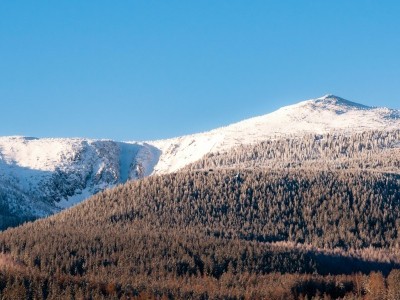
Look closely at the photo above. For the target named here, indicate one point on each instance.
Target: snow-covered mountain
(42, 176)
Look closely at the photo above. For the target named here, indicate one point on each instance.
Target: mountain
(302, 203)
(43, 176)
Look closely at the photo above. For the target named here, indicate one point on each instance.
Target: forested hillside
(216, 234)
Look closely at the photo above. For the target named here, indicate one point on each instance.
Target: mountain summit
(329, 101)
(42, 176)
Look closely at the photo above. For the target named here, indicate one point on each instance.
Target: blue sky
(137, 70)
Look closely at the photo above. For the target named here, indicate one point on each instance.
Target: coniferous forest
(310, 218)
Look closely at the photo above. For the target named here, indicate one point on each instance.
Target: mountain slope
(42, 176)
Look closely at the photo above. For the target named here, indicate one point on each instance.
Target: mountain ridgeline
(248, 211)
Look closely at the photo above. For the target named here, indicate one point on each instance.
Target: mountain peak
(330, 96)
(330, 101)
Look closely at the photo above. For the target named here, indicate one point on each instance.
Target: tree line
(371, 150)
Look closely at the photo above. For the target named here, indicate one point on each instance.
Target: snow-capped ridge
(42, 176)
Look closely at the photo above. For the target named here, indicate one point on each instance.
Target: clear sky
(140, 70)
